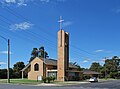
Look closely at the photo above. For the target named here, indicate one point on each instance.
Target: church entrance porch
(52, 73)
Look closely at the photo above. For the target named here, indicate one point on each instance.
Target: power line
(26, 19)
(3, 37)
(32, 34)
(20, 16)
(78, 53)
(21, 37)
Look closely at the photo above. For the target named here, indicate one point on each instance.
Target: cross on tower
(61, 21)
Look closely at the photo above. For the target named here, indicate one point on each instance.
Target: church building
(60, 68)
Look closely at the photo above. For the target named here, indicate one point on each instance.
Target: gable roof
(52, 62)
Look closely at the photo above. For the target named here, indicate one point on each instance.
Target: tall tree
(116, 61)
(112, 65)
(38, 53)
(34, 54)
(42, 52)
(95, 67)
(17, 69)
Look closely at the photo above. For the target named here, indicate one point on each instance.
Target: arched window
(36, 67)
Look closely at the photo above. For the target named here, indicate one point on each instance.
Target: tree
(112, 65)
(116, 61)
(95, 67)
(41, 53)
(3, 73)
(17, 69)
(34, 54)
(78, 66)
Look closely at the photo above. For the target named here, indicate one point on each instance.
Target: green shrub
(44, 79)
(48, 79)
(53, 78)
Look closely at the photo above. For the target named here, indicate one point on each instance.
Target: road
(101, 85)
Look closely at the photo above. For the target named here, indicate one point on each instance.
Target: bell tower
(63, 54)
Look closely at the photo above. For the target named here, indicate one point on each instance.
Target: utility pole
(105, 70)
(8, 68)
(8, 71)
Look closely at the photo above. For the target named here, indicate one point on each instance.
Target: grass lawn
(20, 81)
(34, 82)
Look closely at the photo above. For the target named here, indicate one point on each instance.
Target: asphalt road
(113, 84)
(101, 85)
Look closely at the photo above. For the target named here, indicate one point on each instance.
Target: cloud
(100, 51)
(118, 10)
(45, 0)
(85, 61)
(15, 2)
(25, 2)
(22, 3)
(5, 52)
(68, 23)
(21, 26)
(2, 63)
(10, 1)
(103, 51)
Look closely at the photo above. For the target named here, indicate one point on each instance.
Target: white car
(93, 79)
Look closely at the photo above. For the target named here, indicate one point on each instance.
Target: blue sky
(94, 27)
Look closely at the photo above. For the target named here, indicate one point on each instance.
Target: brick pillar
(63, 55)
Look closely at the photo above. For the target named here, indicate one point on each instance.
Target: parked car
(93, 79)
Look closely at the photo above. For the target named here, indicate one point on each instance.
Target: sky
(93, 25)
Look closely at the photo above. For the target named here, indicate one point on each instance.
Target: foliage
(112, 65)
(3, 73)
(44, 79)
(17, 69)
(110, 69)
(48, 79)
(95, 67)
(76, 78)
(34, 52)
(38, 53)
(79, 68)
(115, 75)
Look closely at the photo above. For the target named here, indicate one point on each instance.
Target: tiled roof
(89, 72)
(49, 62)
(54, 62)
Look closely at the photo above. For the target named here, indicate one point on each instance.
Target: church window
(36, 67)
